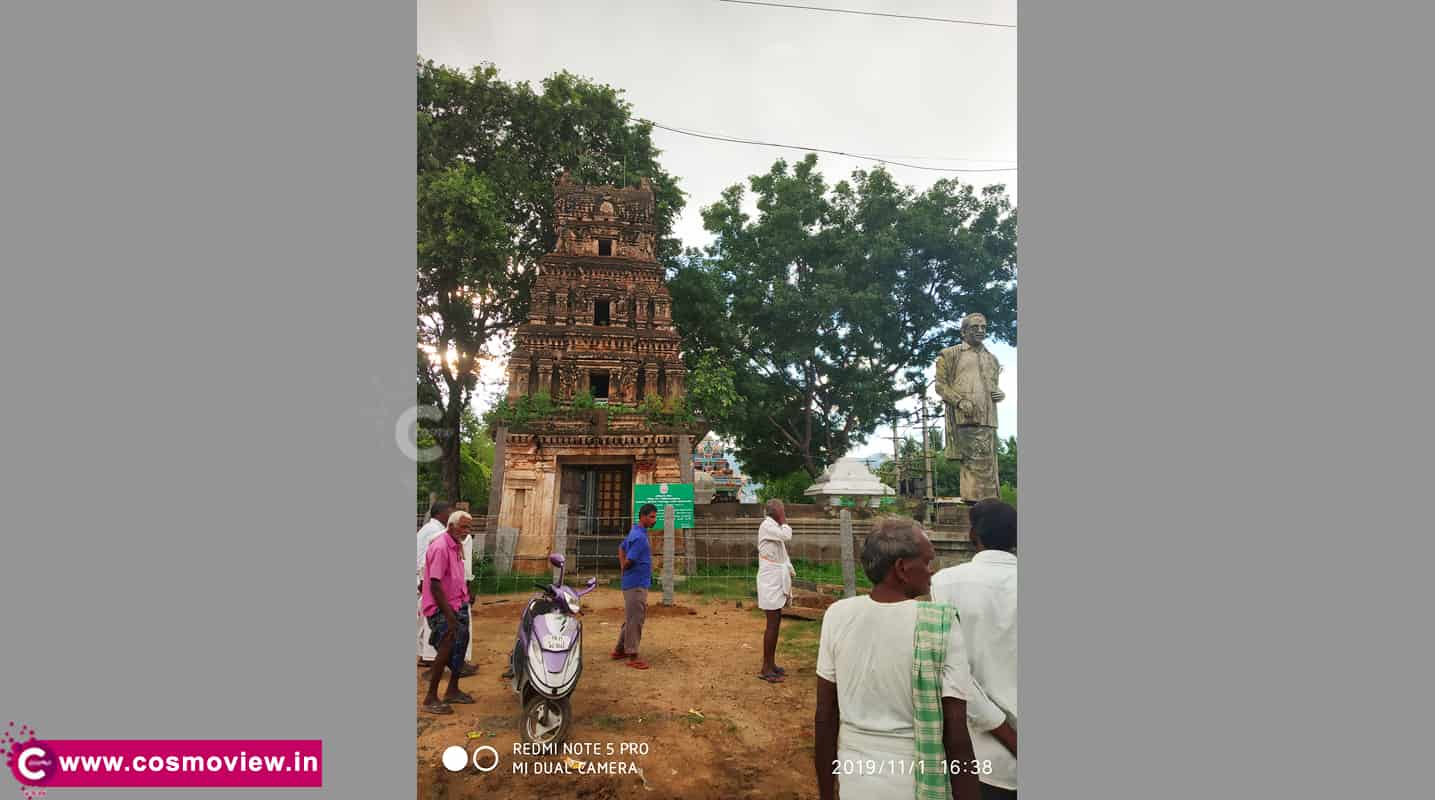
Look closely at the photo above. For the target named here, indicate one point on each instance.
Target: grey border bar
(207, 333)
(1223, 206)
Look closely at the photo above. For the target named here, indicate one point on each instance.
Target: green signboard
(677, 495)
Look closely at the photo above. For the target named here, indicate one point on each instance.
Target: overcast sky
(937, 94)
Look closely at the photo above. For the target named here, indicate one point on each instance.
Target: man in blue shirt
(636, 558)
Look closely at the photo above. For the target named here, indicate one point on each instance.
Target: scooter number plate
(552, 642)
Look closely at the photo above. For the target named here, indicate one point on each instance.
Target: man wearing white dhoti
(895, 693)
(774, 583)
(437, 524)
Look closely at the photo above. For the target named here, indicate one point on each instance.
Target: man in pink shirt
(445, 604)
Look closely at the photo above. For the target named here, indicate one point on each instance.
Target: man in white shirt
(864, 726)
(983, 591)
(437, 524)
(774, 583)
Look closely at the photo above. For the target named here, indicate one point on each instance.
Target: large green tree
(476, 452)
(488, 154)
(828, 305)
(1006, 461)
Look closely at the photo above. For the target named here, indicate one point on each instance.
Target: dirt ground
(748, 738)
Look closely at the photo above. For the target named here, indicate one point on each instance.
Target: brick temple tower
(600, 323)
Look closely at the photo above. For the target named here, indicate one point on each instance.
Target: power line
(874, 14)
(736, 140)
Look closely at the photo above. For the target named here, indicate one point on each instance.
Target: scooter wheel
(546, 721)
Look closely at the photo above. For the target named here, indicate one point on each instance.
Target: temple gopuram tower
(600, 323)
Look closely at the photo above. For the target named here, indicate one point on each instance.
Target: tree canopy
(828, 305)
(488, 155)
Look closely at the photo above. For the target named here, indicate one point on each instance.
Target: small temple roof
(849, 477)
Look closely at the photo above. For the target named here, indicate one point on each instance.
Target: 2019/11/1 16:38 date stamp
(869, 766)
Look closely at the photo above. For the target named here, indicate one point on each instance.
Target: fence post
(849, 568)
(668, 555)
(560, 536)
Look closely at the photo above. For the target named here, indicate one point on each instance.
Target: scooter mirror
(592, 582)
(556, 559)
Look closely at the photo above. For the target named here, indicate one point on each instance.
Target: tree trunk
(450, 439)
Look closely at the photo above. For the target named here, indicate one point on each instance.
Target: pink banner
(160, 763)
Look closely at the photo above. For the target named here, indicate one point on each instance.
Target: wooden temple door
(614, 498)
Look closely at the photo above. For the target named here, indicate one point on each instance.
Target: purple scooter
(548, 658)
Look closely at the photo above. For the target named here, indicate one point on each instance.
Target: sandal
(771, 677)
(462, 698)
(779, 670)
(617, 654)
(437, 708)
(637, 663)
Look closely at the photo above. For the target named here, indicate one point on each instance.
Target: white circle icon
(455, 759)
(490, 767)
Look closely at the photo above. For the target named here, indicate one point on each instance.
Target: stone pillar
(668, 554)
(545, 377)
(651, 381)
(685, 465)
(517, 378)
(495, 489)
(560, 536)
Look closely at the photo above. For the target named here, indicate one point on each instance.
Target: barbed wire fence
(717, 558)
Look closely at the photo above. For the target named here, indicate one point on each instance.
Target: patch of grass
(486, 580)
(735, 588)
(609, 722)
(739, 580)
(828, 573)
(798, 640)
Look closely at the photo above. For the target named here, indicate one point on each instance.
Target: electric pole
(896, 455)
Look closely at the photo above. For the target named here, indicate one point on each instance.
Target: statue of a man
(967, 376)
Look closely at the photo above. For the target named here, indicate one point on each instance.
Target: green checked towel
(929, 653)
